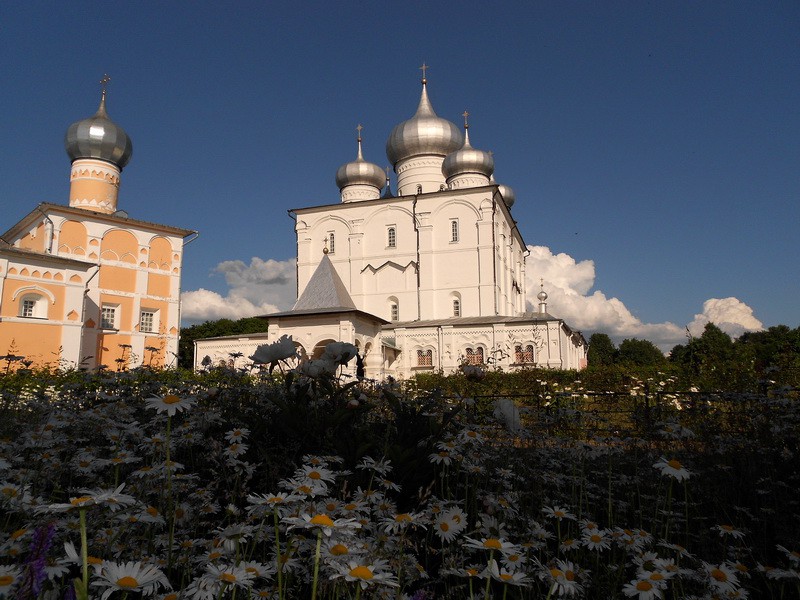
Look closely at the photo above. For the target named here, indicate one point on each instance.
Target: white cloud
(568, 284)
(262, 287)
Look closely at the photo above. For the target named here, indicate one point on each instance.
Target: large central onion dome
(468, 161)
(360, 172)
(423, 134)
(99, 137)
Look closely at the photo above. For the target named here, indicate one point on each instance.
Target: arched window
(33, 306)
(331, 243)
(456, 307)
(424, 358)
(454, 230)
(475, 356)
(523, 355)
(395, 312)
(391, 237)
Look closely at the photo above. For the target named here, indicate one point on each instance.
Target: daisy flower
(322, 522)
(112, 499)
(229, 575)
(492, 544)
(643, 589)
(792, 555)
(237, 435)
(563, 579)
(365, 574)
(129, 577)
(728, 530)
(673, 468)
(8, 577)
(449, 524)
(506, 576)
(169, 404)
(721, 577)
(556, 512)
(596, 540)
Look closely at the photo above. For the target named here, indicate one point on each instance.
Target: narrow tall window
(108, 317)
(28, 307)
(424, 358)
(519, 355)
(529, 354)
(454, 231)
(391, 235)
(395, 313)
(456, 307)
(331, 243)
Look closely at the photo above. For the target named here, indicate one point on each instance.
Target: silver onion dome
(467, 160)
(509, 197)
(99, 137)
(360, 172)
(424, 133)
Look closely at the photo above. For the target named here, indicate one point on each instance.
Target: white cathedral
(426, 280)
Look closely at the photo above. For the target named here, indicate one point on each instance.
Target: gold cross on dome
(465, 114)
(358, 129)
(424, 68)
(387, 171)
(104, 82)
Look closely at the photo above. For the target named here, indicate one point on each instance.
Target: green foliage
(601, 350)
(218, 328)
(640, 352)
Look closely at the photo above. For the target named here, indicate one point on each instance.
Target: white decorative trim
(37, 289)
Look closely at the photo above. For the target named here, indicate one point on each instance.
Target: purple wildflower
(34, 574)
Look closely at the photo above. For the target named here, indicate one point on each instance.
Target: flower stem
(316, 566)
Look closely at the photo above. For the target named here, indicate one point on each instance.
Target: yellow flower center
(323, 520)
(361, 572)
(556, 573)
(79, 501)
(214, 555)
(339, 550)
(171, 399)
(506, 577)
(127, 582)
(569, 576)
(314, 475)
(492, 544)
(719, 575)
(472, 572)
(444, 526)
(93, 560)
(675, 464)
(18, 534)
(643, 586)
(6, 580)
(227, 577)
(403, 518)
(252, 570)
(152, 511)
(512, 557)
(656, 576)
(595, 538)
(171, 597)
(304, 489)
(9, 491)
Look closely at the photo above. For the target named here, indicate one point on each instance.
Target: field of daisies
(303, 484)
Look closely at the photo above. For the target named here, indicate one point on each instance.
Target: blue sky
(654, 147)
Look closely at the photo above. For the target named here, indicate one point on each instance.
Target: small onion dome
(99, 137)
(509, 197)
(467, 160)
(542, 296)
(360, 172)
(423, 134)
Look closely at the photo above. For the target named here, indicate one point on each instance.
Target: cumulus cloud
(258, 288)
(568, 284)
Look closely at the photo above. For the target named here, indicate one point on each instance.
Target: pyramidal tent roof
(324, 291)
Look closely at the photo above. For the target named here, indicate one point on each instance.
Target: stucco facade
(85, 285)
(426, 280)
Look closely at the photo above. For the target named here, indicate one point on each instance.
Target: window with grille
(456, 307)
(331, 243)
(28, 307)
(424, 358)
(523, 355)
(391, 237)
(453, 231)
(395, 313)
(108, 317)
(147, 321)
(475, 356)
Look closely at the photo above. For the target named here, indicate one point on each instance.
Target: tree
(217, 328)
(601, 350)
(640, 353)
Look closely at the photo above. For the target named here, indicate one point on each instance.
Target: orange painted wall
(109, 349)
(37, 340)
(10, 307)
(158, 285)
(160, 254)
(121, 279)
(119, 245)
(34, 243)
(72, 238)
